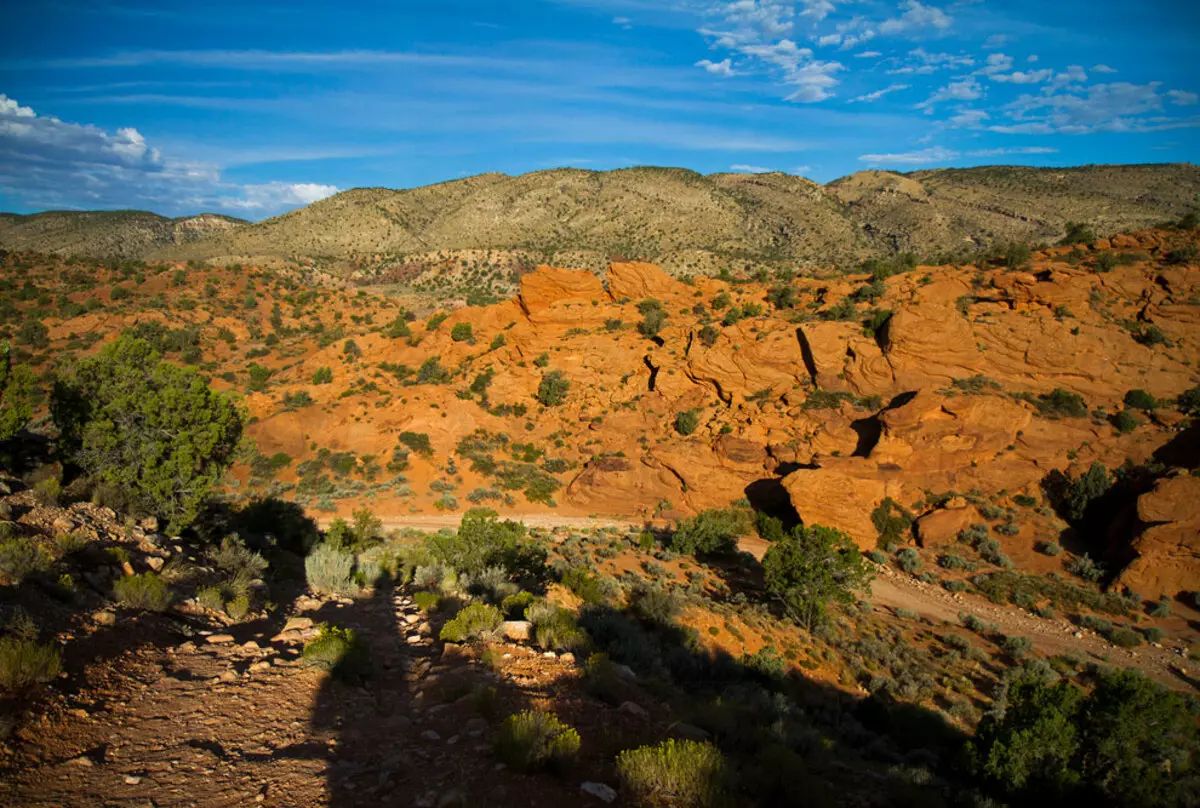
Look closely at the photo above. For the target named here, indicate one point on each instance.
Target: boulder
(635, 280)
(516, 630)
(1167, 559)
(942, 527)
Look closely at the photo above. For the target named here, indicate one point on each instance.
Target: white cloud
(916, 16)
(801, 169)
(1014, 150)
(996, 63)
(813, 82)
(721, 68)
(967, 118)
(750, 169)
(624, 22)
(867, 55)
(1103, 69)
(996, 41)
(47, 162)
(816, 9)
(1031, 58)
(1182, 98)
(966, 90)
(875, 96)
(1117, 107)
(934, 154)
(1072, 75)
(830, 39)
(923, 63)
(273, 196)
(1021, 77)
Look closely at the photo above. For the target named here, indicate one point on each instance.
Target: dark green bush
(713, 531)
(535, 739)
(687, 421)
(553, 389)
(150, 427)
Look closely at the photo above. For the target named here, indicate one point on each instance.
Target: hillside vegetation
(684, 221)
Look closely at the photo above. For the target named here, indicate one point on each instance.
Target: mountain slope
(676, 217)
(121, 233)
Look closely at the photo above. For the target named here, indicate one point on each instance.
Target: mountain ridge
(676, 217)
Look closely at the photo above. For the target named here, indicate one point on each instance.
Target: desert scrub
(21, 559)
(683, 773)
(555, 628)
(329, 570)
(908, 560)
(471, 623)
(144, 591)
(514, 606)
(24, 662)
(338, 650)
(534, 739)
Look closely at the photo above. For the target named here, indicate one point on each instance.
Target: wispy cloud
(875, 96)
(721, 68)
(1003, 151)
(747, 169)
(934, 154)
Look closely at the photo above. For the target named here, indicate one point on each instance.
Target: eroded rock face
(550, 295)
(634, 280)
(1168, 551)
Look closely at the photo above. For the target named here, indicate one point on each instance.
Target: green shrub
(47, 492)
(338, 650)
(534, 739)
(1125, 638)
(1140, 400)
(471, 623)
(1087, 569)
(16, 391)
(1124, 421)
(1188, 401)
(514, 606)
(24, 662)
(653, 318)
(553, 388)
(1150, 335)
(461, 332)
(322, 375)
(687, 421)
(329, 570)
(675, 772)
(555, 628)
(113, 411)
(21, 559)
(712, 531)
(234, 559)
(427, 601)
(708, 335)
(146, 590)
(1050, 548)
(1016, 647)
(878, 556)
(417, 442)
(1059, 402)
(432, 372)
(1161, 608)
(908, 560)
(1079, 493)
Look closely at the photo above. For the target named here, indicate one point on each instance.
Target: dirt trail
(897, 590)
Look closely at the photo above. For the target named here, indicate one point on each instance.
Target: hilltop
(681, 220)
(117, 233)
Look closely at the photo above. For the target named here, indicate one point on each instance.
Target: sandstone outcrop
(1167, 560)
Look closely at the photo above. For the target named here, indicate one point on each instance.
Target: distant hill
(673, 216)
(122, 233)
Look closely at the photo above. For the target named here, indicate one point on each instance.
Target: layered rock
(1167, 558)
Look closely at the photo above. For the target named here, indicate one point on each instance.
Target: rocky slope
(120, 233)
(683, 221)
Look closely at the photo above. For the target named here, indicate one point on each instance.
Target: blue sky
(254, 108)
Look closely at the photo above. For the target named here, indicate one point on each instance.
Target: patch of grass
(329, 569)
(675, 772)
(146, 590)
(25, 662)
(338, 650)
(21, 559)
(471, 623)
(534, 739)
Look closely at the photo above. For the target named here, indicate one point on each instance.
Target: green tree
(151, 428)
(16, 385)
(553, 389)
(812, 566)
(461, 332)
(653, 318)
(1127, 742)
(484, 541)
(687, 422)
(713, 531)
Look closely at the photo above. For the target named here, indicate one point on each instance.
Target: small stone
(105, 618)
(250, 645)
(549, 655)
(297, 624)
(218, 639)
(431, 735)
(568, 658)
(228, 676)
(689, 732)
(516, 630)
(132, 780)
(599, 790)
(633, 708)
(126, 568)
(82, 760)
(412, 619)
(154, 562)
(260, 666)
(149, 524)
(475, 727)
